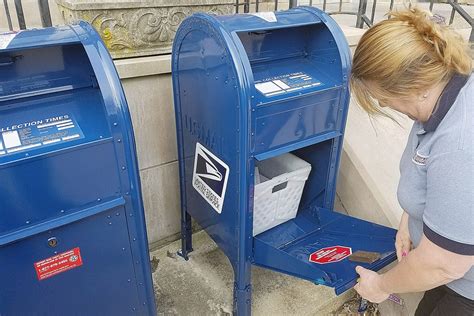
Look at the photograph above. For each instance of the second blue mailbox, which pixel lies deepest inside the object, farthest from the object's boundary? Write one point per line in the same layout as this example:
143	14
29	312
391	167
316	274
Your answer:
261	104
72	225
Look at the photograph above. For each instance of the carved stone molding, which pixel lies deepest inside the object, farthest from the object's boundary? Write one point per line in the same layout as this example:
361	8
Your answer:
138	28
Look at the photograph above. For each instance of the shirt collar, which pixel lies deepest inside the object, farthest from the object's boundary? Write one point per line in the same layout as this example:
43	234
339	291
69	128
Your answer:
445	101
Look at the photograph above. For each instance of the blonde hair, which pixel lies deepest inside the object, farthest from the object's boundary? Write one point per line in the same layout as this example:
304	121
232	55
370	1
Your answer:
403	55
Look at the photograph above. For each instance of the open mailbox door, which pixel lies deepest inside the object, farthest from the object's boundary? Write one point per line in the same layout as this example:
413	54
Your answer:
316	245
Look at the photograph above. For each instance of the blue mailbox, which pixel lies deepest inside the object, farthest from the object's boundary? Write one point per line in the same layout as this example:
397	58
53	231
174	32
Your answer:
72	227
255	93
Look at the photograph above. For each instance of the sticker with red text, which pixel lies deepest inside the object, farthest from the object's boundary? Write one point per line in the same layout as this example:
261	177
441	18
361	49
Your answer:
330	254
58	264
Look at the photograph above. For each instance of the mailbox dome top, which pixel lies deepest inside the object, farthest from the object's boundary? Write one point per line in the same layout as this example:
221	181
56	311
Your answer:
51	36
271	20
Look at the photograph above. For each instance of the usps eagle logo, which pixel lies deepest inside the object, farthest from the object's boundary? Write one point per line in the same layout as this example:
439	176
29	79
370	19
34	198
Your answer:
210	177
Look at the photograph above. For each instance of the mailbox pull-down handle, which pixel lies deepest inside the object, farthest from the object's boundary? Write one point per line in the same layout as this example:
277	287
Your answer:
61	221
9	60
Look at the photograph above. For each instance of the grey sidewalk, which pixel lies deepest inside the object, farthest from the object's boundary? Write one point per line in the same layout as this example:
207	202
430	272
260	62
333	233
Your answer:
203	286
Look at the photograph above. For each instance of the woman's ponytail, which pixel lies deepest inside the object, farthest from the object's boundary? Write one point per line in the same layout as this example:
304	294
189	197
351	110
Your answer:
450	48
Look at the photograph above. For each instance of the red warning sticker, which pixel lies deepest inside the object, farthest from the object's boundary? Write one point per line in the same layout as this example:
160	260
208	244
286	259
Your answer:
58	264
330	254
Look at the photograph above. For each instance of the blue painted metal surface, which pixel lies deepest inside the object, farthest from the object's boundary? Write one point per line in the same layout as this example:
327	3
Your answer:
229	114
69	173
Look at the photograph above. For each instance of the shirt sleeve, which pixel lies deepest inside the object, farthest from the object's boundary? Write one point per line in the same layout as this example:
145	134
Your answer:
449	217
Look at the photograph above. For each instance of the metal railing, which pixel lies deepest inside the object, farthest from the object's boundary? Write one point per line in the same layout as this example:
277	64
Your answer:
44	12
362	18
244	6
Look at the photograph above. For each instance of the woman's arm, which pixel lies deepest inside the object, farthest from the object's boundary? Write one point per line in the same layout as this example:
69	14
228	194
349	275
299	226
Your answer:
402	240
446	251
424	268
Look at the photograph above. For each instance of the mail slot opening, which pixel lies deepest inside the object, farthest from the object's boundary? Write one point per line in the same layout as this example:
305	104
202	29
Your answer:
310	52
42	92
44	70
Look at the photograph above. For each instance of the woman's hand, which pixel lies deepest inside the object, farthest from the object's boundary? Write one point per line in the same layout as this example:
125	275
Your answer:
403	241
369	286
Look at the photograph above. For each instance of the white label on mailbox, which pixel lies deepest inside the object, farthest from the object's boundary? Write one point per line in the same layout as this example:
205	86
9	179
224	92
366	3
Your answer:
26	135
11	139
281	84
210	177
286	83
267	87
267	16
5	39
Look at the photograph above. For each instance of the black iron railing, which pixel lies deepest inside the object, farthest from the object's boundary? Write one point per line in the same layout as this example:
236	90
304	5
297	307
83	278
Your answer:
245	6
362	19
44	12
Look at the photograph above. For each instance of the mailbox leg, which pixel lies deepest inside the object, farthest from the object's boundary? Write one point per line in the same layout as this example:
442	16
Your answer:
242	291
186	235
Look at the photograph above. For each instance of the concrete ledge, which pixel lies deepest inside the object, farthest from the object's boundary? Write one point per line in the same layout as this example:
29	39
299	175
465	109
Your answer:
369	173
356	195
352	34
143	66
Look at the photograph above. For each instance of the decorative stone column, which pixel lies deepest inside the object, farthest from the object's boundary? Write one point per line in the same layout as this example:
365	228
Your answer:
138	28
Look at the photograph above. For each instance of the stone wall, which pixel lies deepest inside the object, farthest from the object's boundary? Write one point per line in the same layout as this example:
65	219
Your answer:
148	88
139	28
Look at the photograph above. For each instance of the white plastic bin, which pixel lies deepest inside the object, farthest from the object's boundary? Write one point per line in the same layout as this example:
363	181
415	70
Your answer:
279	184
